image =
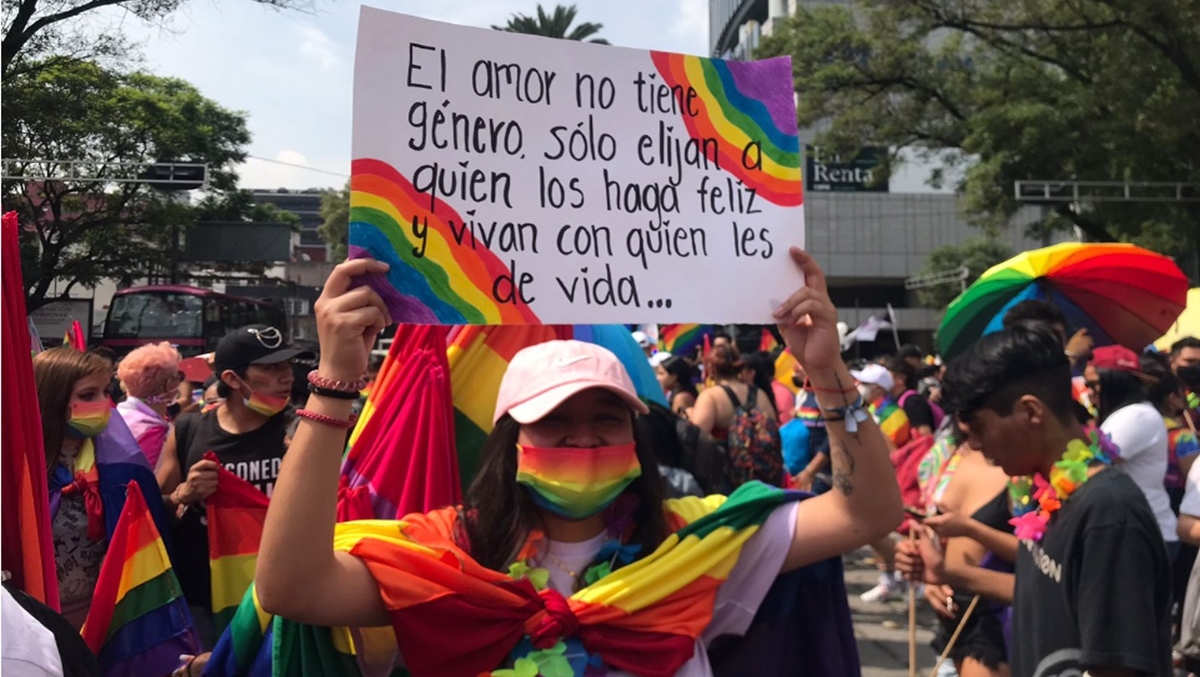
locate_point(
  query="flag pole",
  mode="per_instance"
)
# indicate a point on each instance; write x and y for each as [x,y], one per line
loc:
[895,331]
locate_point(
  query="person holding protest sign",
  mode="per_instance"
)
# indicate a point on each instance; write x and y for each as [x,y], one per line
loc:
[524,573]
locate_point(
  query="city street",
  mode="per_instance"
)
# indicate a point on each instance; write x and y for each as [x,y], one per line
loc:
[882,628]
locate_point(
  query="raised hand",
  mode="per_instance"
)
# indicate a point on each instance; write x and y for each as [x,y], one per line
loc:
[349,320]
[808,320]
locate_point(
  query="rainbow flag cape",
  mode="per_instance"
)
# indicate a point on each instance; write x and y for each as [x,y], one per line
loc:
[138,623]
[683,339]
[236,513]
[892,421]
[26,546]
[452,616]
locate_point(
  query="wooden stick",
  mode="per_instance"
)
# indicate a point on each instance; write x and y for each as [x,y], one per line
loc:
[954,638]
[912,613]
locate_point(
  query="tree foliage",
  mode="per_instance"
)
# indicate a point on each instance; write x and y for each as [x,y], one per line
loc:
[977,255]
[37,32]
[78,232]
[335,213]
[1086,90]
[554,25]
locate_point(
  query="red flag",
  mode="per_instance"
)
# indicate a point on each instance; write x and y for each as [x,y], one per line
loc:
[26,548]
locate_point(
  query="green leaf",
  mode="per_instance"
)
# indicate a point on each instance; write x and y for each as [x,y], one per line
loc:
[596,572]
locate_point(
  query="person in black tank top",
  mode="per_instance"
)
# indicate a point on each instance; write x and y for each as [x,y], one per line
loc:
[246,433]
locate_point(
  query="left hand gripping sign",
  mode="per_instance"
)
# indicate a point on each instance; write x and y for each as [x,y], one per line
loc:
[512,179]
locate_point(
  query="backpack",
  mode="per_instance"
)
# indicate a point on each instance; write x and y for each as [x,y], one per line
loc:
[754,448]
[679,444]
[939,414]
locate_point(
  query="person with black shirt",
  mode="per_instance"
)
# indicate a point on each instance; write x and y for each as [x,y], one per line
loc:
[1093,586]
[246,432]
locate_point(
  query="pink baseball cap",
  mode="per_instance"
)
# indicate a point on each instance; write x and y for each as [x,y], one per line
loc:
[543,376]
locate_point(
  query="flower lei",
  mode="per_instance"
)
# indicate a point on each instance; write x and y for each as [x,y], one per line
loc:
[552,661]
[1035,500]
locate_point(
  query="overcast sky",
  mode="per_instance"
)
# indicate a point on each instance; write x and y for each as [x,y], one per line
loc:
[291,71]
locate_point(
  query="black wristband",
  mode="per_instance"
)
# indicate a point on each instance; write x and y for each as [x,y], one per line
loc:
[328,392]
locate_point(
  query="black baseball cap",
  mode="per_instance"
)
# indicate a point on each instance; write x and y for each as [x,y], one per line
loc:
[254,344]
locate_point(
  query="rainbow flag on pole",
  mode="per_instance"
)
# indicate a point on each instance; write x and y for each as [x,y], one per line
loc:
[139,622]
[683,339]
[236,513]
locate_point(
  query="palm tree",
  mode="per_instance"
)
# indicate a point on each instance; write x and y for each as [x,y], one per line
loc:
[556,25]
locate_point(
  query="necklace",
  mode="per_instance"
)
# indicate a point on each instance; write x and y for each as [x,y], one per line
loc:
[561,567]
[1035,500]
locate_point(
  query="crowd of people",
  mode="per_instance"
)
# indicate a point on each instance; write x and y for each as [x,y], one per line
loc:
[1052,499]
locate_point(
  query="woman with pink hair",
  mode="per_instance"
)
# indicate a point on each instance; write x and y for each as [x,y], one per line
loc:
[150,376]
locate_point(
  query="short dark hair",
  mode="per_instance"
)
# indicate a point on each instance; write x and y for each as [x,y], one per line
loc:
[896,363]
[223,390]
[1024,359]
[1165,383]
[1036,310]
[911,350]
[1185,342]
[1118,389]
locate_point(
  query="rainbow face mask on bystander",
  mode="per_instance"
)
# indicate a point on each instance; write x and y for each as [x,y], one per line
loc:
[576,482]
[88,419]
[267,405]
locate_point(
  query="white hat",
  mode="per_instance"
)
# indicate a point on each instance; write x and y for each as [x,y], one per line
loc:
[875,374]
[642,339]
[659,357]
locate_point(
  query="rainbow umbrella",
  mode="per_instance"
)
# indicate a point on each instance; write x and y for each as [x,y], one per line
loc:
[1119,292]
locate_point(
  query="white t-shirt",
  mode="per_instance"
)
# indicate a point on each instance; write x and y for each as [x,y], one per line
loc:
[738,598]
[1139,432]
[27,648]
[1191,494]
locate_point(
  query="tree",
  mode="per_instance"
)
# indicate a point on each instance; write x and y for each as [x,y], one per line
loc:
[1089,90]
[335,212]
[77,233]
[556,25]
[36,30]
[977,255]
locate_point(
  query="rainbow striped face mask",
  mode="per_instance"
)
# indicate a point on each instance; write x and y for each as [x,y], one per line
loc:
[267,405]
[88,419]
[574,482]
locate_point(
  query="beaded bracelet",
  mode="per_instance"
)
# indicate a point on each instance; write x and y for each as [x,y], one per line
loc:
[327,420]
[329,384]
[336,394]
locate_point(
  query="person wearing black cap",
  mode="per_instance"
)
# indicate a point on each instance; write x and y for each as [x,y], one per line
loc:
[253,366]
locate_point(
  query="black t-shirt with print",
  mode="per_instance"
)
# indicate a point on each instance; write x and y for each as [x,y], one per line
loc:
[254,456]
[1096,590]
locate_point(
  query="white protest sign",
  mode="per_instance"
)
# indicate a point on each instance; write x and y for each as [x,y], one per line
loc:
[512,179]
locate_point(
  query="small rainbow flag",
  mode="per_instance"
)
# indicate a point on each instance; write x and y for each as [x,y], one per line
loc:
[892,421]
[74,337]
[139,622]
[683,339]
[236,513]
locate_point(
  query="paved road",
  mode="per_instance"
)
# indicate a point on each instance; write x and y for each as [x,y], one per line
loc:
[882,628]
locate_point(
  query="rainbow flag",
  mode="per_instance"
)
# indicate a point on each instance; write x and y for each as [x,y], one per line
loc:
[138,623]
[452,616]
[74,337]
[785,369]
[892,421]
[26,547]
[768,343]
[683,339]
[236,513]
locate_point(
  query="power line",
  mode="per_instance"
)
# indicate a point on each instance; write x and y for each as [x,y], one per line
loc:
[299,166]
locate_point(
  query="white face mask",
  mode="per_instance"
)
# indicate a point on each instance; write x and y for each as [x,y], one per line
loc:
[865,389]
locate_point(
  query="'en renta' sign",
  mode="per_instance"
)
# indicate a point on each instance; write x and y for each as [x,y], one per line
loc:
[512,179]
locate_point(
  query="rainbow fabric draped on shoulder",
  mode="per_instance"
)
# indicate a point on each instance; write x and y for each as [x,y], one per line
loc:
[452,616]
